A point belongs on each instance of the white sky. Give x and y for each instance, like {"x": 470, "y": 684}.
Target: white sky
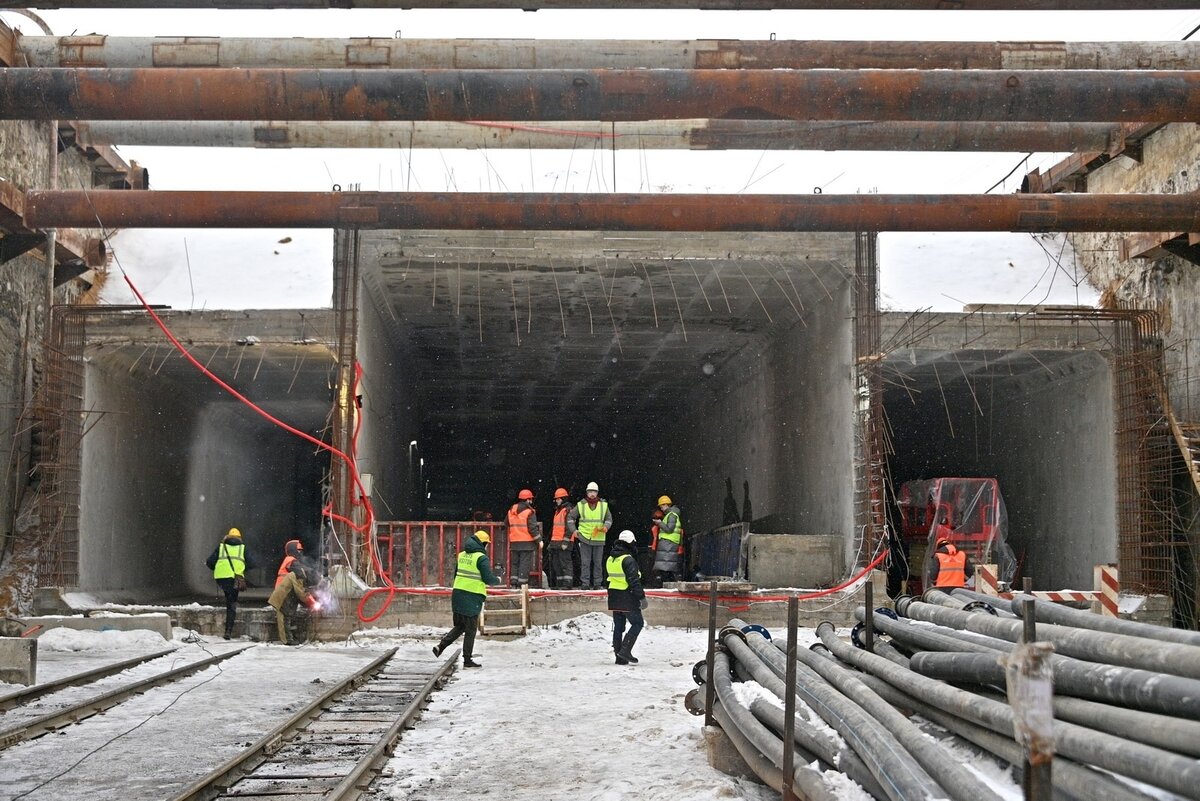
{"x": 248, "y": 269}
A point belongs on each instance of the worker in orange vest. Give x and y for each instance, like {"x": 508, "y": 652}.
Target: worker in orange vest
{"x": 292, "y": 550}
{"x": 558, "y": 563}
{"x": 950, "y": 566}
{"x": 524, "y": 537}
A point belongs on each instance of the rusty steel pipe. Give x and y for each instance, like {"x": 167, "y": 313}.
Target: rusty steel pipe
{"x": 97, "y": 50}
{"x": 993, "y": 137}
{"x": 613, "y": 212}
{"x": 731, "y": 5}
{"x": 608, "y": 95}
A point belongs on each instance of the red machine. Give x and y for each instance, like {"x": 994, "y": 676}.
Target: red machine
{"x": 967, "y": 511}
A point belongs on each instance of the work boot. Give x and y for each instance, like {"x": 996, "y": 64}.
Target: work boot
{"x": 626, "y": 651}
{"x": 229, "y": 634}
{"x": 468, "y": 662}
{"x": 437, "y": 650}
{"x": 621, "y": 660}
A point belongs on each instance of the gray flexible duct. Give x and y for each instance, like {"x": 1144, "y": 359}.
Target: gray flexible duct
{"x": 1153, "y": 766}
{"x": 1066, "y": 616}
{"x": 1094, "y": 646}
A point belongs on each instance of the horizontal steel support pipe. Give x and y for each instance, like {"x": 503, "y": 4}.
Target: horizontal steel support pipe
{"x": 613, "y": 212}
{"x": 699, "y": 134}
{"x": 96, "y": 50}
{"x": 730, "y": 5}
{"x": 607, "y": 95}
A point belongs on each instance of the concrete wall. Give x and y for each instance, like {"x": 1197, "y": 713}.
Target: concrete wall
{"x": 783, "y": 424}
{"x": 1050, "y": 444}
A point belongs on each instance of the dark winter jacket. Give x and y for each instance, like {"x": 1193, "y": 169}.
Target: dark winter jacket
{"x": 469, "y": 603}
{"x": 629, "y": 599}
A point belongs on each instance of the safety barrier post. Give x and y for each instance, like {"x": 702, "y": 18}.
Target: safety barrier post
{"x": 986, "y": 581}
{"x": 709, "y": 686}
{"x": 1108, "y": 589}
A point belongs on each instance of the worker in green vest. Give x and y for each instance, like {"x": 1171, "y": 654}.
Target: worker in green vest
{"x": 228, "y": 564}
{"x": 626, "y": 598}
{"x": 588, "y": 523}
{"x": 471, "y": 580}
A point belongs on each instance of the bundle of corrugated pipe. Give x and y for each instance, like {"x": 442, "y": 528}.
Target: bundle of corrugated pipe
{"x": 1125, "y": 702}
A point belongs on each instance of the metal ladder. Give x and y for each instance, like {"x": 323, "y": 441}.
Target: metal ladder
{"x": 507, "y": 607}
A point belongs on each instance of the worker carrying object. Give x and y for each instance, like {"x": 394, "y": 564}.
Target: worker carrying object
{"x": 471, "y": 580}
{"x": 228, "y": 562}
{"x": 289, "y": 592}
{"x": 293, "y": 550}
{"x": 558, "y": 561}
{"x": 524, "y": 537}
{"x": 590, "y": 520}
{"x": 950, "y": 566}
{"x": 668, "y": 552}
{"x": 626, "y": 598}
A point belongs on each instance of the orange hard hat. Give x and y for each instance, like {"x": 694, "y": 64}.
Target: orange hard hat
{"x": 942, "y": 541}
{"x": 560, "y": 493}
{"x": 525, "y": 495}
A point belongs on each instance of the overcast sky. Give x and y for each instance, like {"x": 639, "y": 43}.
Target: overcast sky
{"x": 246, "y": 269}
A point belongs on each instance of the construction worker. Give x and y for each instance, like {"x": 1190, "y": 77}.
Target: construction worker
{"x": 950, "y": 566}
{"x": 668, "y": 553}
{"x": 290, "y": 591}
{"x": 228, "y": 564}
{"x": 558, "y": 565}
{"x": 524, "y": 537}
{"x": 471, "y": 581}
{"x": 646, "y": 555}
{"x": 589, "y": 522}
{"x": 626, "y": 598}
{"x": 293, "y": 550}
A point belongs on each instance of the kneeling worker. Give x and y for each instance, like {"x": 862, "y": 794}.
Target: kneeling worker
{"x": 471, "y": 581}
{"x": 289, "y": 592}
{"x": 626, "y": 598}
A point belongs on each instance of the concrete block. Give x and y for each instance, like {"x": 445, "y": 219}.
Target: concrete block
{"x": 159, "y": 622}
{"x": 50, "y": 601}
{"x": 795, "y": 560}
{"x": 724, "y": 756}
{"x": 18, "y": 660}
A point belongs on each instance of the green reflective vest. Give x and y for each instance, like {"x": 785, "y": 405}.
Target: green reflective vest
{"x": 467, "y": 577}
{"x": 675, "y": 536}
{"x": 231, "y": 561}
{"x": 591, "y": 519}
{"x": 616, "y": 573}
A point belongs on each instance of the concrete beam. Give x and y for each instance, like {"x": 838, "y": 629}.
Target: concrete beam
{"x": 96, "y": 50}
{"x": 731, "y": 5}
{"x": 614, "y": 212}
{"x": 607, "y": 95}
{"x": 699, "y": 134}
{"x": 158, "y": 622}
{"x": 18, "y": 660}
{"x": 72, "y": 248}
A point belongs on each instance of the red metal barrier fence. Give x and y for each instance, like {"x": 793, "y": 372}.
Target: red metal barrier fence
{"x": 424, "y": 553}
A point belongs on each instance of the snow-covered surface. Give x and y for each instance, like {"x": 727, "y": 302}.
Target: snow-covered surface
{"x": 1128, "y": 604}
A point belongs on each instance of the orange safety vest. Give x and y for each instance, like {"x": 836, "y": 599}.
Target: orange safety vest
{"x": 952, "y": 568}
{"x": 518, "y": 524}
{"x": 283, "y": 568}
{"x": 558, "y": 532}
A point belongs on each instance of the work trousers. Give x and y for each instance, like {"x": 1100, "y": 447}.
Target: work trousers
{"x": 522, "y": 561}
{"x": 465, "y": 626}
{"x": 558, "y": 565}
{"x": 229, "y": 587}
{"x": 591, "y": 563}
{"x": 624, "y": 642}
{"x": 283, "y": 618}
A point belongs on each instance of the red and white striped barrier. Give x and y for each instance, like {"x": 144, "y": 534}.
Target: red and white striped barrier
{"x": 1104, "y": 596}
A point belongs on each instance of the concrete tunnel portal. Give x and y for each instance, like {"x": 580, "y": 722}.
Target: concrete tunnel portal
{"x": 689, "y": 365}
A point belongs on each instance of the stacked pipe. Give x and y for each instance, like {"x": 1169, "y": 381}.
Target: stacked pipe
{"x": 1126, "y": 702}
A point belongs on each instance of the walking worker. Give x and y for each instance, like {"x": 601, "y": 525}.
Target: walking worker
{"x": 290, "y": 591}
{"x": 950, "y": 566}
{"x": 471, "y": 581}
{"x": 228, "y": 564}
{"x": 558, "y": 565}
{"x": 589, "y": 522}
{"x": 668, "y": 554}
{"x": 293, "y": 550}
{"x": 524, "y": 537}
{"x": 626, "y": 598}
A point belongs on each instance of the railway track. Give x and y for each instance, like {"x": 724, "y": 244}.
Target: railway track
{"x": 26, "y": 695}
{"x": 56, "y": 717}
{"x": 331, "y": 749}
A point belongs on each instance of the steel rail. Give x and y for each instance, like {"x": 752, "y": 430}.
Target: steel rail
{"x": 237, "y": 766}
{"x": 715, "y": 5}
{"x": 612, "y": 212}
{"x": 92, "y": 706}
{"x": 97, "y": 50}
{"x": 609, "y": 95}
{"x": 18, "y": 697}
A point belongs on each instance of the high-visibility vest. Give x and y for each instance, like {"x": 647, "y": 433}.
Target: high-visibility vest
{"x": 616, "y": 573}
{"x": 283, "y": 568}
{"x": 952, "y": 568}
{"x": 591, "y": 519}
{"x": 467, "y": 577}
{"x": 231, "y": 561}
{"x": 518, "y": 524}
{"x": 558, "y": 532}
{"x": 675, "y": 536}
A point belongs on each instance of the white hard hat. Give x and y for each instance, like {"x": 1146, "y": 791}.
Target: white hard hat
{"x": 593, "y": 486}
{"x": 626, "y": 536}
